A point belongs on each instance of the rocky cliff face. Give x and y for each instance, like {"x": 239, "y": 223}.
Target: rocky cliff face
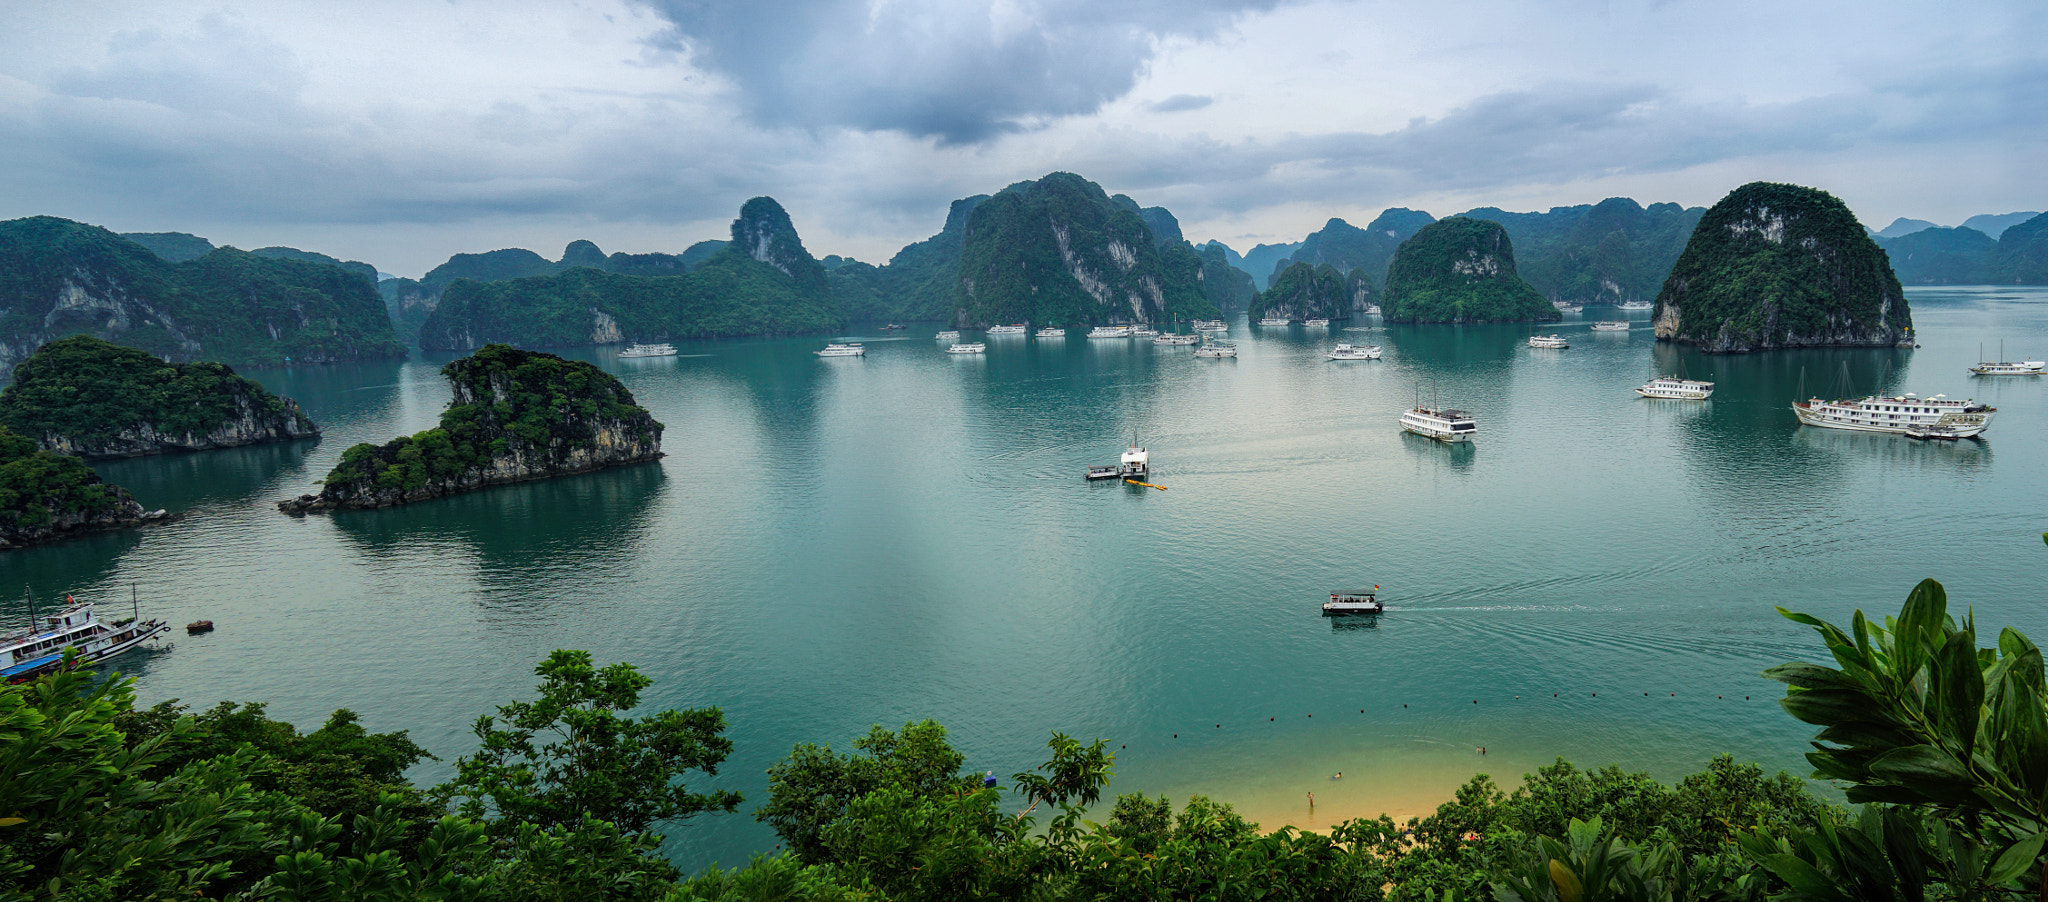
{"x": 94, "y": 399}
{"x": 515, "y": 416}
{"x": 1460, "y": 270}
{"x": 46, "y": 496}
{"x": 764, "y": 231}
{"x": 1781, "y": 266}
{"x": 1059, "y": 251}
{"x": 1302, "y": 291}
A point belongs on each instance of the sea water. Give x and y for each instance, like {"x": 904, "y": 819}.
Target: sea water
{"x": 836, "y": 543}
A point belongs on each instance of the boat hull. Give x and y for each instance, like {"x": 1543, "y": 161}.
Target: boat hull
{"x": 1957, "y": 425}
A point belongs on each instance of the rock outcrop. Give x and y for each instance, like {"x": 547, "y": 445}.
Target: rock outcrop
{"x": 46, "y": 496}
{"x": 1460, "y": 270}
{"x": 1060, "y": 251}
{"x": 515, "y": 416}
{"x": 1302, "y": 291}
{"x": 95, "y": 399}
{"x": 1781, "y": 266}
{"x": 1606, "y": 253}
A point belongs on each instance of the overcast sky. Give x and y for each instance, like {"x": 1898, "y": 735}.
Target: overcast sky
{"x": 401, "y": 132}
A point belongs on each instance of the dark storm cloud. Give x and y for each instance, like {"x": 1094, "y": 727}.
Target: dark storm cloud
{"x": 961, "y": 72}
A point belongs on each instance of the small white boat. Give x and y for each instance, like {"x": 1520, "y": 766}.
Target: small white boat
{"x": 28, "y": 653}
{"x": 1548, "y": 341}
{"x": 1611, "y": 325}
{"x": 1354, "y": 602}
{"x": 969, "y": 348}
{"x": 1136, "y": 463}
{"x": 661, "y": 350}
{"x": 1110, "y": 332}
{"x": 1217, "y": 348}
{"x": 1355, "y": 352}
{"x": 1211, "y": 325}
{"x": 1143, "y": 331}
{"x": 948, "y": 335}
{"x": 1175, "y": 339}
{"x": 1440, "y": 423}
{"x": 1567, "y": 307}
{"x": 1276, "y": 321}
{"x": 1676, "y": 388}
{"x": 894, "y": 327}
{"x": 843, "y": 349}
{"x": 1017, "y": 329}
{"x": 1318, "y": 321}
{"x": 1638, "y": 305}
{"x": 1965, "y": 419}
{"x": 1372, "y": 310}
{"x": 2020, "y": 368}
{"x": 1052, "y": 332}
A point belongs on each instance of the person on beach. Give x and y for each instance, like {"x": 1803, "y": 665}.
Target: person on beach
{"x": 1311, "y": 800}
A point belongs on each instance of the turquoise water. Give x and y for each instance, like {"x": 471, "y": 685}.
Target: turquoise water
{"x": 833, "y": 543}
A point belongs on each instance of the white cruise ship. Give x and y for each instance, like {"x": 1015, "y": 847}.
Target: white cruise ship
{"x": 1017, "y": 329}
{"x": 1052, "y": 332}
{"x": 1674, "y": 387}
{"x": 660, "y": 350}
{"x": 1143, "y": 331}
{"x": 1276, "y": 321}
{"x": 969, "y": 348}
{"x": 1216, "y": 348}
{"x": 1963, "y": 419}
{"x": 1110, "y": 332}
{"x": 1567, "y": 306}
{"x": 2021, "y": 368}
{"x": 1638, "y": 305}
{"x": 1611, "y": 325}
{"x": 948, "y": 335}
{"x": 1211, "y": 325}
{"x": 1318, "y": 321}
{"x": 843, "y": 349}
{"x": 1173, "y": 338}
{"x": 1355, "y": 352}
{"x": 39, "y": 649}
{"x": 1440, "y": 423}
{"x": 1548, "y": 341}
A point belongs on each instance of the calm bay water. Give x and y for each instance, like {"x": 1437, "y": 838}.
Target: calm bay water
{"x": 833, "y": 543}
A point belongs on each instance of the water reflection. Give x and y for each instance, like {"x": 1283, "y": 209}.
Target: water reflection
{"x": 1893, "y": 451}
{"x": 1458, "y": 454}
{"x": 207, "y": 479}
{"x": 1352, "y": 622}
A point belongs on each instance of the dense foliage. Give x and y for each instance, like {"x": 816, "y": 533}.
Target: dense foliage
{"x": 918, "y": 283}
{"x": 41, "y": 489}
{"x": 65, "y": 277}
{"x": 1945, "y": 743}
{"x": 1965, "y": 255}
{"x": 1267, "y": 260}
{"x": 1228, "y": 288}
{"x": 173, "y": 247}
{"x": 1351, "y": 249}
{"x": 1060, "y": 252}
{"x": 2023, "y": 253}
{"x": 512, "y": 409}
{"x": 1603, "y": 253}
{"x": 1460, "y": 270}
{"x": 1302, "y": 291}
{"x": 763, "y": 282}
{"x": 88, "y": 392}
{"x": 1774, "y": 265}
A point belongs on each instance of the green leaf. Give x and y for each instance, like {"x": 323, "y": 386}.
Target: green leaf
{"x": 1958, "y": 689}
{"x": 1925, "y": 767}
{"x": 2017, "y": 859}
{"x": 1812, "y": 676}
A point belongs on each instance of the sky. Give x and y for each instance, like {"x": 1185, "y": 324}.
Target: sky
{"x": 399, "y": 132}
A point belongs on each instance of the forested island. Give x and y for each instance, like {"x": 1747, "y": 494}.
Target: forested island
{"x": 95, "y": 399}
{"x": 46, "y": 496}
{"x": 1781, "y": 266}
{"x": 515, "y": 416}
{"x": 59, "y": 278}
{"x": 1460, "y": 270}
{"x": 1302, "y": 291}
{"x": 1935, "y": 736}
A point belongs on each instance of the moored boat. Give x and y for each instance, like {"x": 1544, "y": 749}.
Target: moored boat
{"x": 2013, "y": 368}
{"x": 969, "y": 348}
{"x": 39, "y": 649}
{"x": 1211, "y": 325}
{"x": 843, "y": 349}
{"x": 1110, "y": 332}
{"x": 948, "y": 335}
{"x": 657, "y": 350}
{"x": 1052, "y": 332}
{"x": 1355, "y": 352}
{"x": 1548, "y": 341}
{"x": 1356, "y": 601}
{"x": 1143, "y": 331}
{"x": 1216, "y": 347}
{"x": 1177, "y": 339}
{"x": 1965, "y": 418}
{"x": 1440, "y": 423}
{"x": 1611, "y": 325}
{"x": 1318, "y": 321}
{"x": 1017, "y": 329}
{"x": 1567, "y": 307}
{"x": 1276, "y": 321}
{"x": 1676, "y": 388}
{"x": 1637, "y": 305}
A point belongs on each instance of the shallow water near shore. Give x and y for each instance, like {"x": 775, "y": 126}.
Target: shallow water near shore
{"x": 834, "y": 543}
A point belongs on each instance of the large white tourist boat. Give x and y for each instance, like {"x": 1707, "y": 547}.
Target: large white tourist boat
{"x": 1217, "y": 347}
{"x": 1144, "y": 331}
{"x": 1211, "y": 325}
{"x": 969, "y": 348}
{"x": 1440, "y": 423}
{"x": 1611, "y": 325}
{"x": 1567, "y": 306}
{"x": 1110, "y": 332}
{"x": 1357, "y": 601}
{"x": 1961, "y": 419}
{"x": 1548, "y": 341}
{"x": 39, "y": 648}
{"x": 1276, "y": 321}
{"x": 948, "y": 335}
{"x": 1674, "y": 387}
{"x": 661, "y": 350}
{"x": 1637, "y": 305}
{"x": 1017, "y": 329}
{"x": 1318, "y": 321}
{"x": 1052, "y": 332}
{"x": 1173, "y": 338}
{"x": 1355, "y": 352}
{"x": 843, "y": 349}
{"x": 2006, "y": 368}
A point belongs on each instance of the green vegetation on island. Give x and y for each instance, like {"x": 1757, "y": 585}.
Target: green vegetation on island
{"x": 1605, "y": 253}
{"x": 63, "y": 278}
{"x": 1781, "y": 266}
{"x": 1302, "y": 291}
{"x": 1228, "y": 288}
{"x": 1937, "y": 740}
{"x": 45, "y": 495}
{"x": 1060, "y": 252}
{"x": 762, "y": 282}
{"x": 1460, "y": 270}
{"x": 515, "y": 416}
{"x": 1369, "y": 250}
{"x": 85, "y": 396}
